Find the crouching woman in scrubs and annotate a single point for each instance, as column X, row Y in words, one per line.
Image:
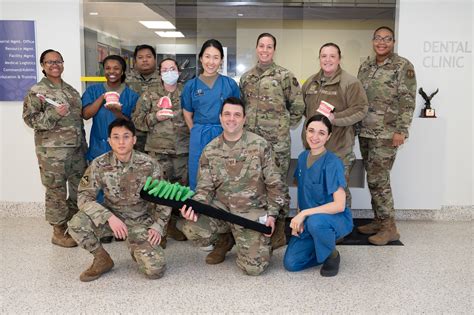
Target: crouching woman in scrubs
column 323, row 217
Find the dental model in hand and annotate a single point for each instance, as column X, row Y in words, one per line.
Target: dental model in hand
column 112, row 98
column 325, row 108
column 165, row 107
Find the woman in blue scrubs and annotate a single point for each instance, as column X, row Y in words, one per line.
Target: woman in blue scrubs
column 93, row 102
column 202, row 99
column 323, row 216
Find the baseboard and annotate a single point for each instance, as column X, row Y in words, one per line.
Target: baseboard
column 446, row 213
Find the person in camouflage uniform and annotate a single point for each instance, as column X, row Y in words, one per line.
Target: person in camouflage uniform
column 274, row 103
column 143, row 74
column 120, row 173
column 346, row 94
column 237, row 173
column 390, row 83
column 60, row 143
column 168, row 137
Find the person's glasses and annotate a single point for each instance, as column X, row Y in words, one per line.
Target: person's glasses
column 169, row 69
column 53, row 62
column 385, row 40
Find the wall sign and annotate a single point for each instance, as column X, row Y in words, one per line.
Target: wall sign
column 17, row 59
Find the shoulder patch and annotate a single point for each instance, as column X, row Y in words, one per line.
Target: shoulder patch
column 410, row 74
column 295, row 82
column 85, row 181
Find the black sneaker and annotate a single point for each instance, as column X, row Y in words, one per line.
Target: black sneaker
column 106, row 239
column 330, row 267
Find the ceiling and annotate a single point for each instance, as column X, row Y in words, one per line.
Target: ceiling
column 213, row 18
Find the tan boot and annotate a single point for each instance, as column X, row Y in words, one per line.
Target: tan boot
column 224, row 243
column 279, row 236
column 173, row 232
column 388, row 233
column 102, row 263
column 61, row 237
column 371, row 228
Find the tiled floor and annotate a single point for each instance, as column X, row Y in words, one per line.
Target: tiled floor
column 432, row 273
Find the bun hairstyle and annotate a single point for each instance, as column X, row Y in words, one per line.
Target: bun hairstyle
column 170, row 59
column 212, row 43
column 122, row 63
column 268, row 35
column 321, row 118
column 43, row 55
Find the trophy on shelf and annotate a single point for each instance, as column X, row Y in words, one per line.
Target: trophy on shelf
column 427, row 111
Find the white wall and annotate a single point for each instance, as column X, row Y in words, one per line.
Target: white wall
column 447, row 177
column 423, row 27
column 58, row 26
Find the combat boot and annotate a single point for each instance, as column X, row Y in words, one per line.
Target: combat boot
column 224, row 244
column 102, row 263
column 371, row 228
column 279, row 238
column 173, row 232
column 387, row 233
column 61, row 237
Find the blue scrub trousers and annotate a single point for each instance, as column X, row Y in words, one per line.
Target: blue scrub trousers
column 318, row 240
column 201, row 135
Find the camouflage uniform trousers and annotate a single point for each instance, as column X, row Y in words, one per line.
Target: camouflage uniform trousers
column 254, row 250
column 348, row 160
column 378, row 156
column 175, row 169
column 150, row 258
column 141, row 141
column 61, row 170
column 282, row 160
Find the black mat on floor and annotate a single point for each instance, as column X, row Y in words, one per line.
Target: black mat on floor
column 355, row 238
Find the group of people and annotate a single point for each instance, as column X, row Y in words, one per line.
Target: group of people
column 230, row 143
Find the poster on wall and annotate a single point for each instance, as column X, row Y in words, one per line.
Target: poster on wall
column 17, row 59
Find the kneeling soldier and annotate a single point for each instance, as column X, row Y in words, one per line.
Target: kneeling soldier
column 120, row 174
column 237, row 173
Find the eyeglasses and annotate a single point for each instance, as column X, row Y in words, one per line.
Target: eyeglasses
column 53, row 62
column 385, row 40
column 169, row 69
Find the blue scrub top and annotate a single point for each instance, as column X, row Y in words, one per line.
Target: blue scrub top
column 206, row 103
column 98, row 143
column 317, row 184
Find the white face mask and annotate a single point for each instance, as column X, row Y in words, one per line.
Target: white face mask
column 170, row 77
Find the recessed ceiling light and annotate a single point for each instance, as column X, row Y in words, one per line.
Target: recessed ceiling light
column 170, row 34
column 163, row 25
column 93, row 13
column 240, row 14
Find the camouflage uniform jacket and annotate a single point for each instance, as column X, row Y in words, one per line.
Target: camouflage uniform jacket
column 121, row 184
column 51, row 129
column 391, row 90
column 241, row 179
column 170, row 136
column 273, row 103
column 346, row 94
column 139, row 83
